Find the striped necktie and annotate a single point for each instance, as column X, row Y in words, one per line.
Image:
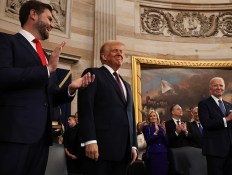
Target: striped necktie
column 221, row 106
column 200, row 127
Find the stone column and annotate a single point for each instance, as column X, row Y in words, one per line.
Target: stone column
column 105, row 25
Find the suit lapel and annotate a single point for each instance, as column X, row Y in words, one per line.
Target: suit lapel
column 113, row 82
column 215, row 106
column 173, row 124
column 28, row 46
column 196, row 128
column 228, row 108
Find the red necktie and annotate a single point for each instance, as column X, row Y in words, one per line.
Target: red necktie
column 40, row 52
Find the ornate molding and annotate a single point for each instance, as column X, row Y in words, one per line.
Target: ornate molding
column 183, row 63
column 185, row 23
column 60, row 13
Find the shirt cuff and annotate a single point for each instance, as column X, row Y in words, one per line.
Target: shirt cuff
column 133, row 147
column 48, row 72
column 71, row 95
column 89, row 142
column 224, row 120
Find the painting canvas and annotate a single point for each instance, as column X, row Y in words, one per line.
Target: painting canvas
column 158, row 84
column 163, row 87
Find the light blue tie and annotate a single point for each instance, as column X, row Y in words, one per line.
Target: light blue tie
column 221, row 105
column 200, row 127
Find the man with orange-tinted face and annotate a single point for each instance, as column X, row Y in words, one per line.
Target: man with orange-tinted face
column 215, row 117
column 106, row 116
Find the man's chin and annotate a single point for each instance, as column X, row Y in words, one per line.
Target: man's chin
column 45, row 37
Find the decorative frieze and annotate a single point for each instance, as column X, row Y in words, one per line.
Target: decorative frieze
column 60, row 13
column 185, row 23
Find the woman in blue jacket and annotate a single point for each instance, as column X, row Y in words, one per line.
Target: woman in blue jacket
column 156, row 138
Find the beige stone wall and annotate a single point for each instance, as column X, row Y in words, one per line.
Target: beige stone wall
column 167, row 47
column 80, row 41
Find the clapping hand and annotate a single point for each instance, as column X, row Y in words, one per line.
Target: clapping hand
column 81, row 82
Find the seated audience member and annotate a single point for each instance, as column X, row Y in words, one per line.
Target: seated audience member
column 195, row 128
column 177, row 131
column 142, row 145
column 72, row 146
column 156, row 138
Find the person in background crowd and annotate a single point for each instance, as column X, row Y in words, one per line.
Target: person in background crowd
column 72, row 146
column 195, row 128
column 139, row 166
column 177, row 131
column 156, row 138
column 189, row 114
column 216, row 118
column 29, row 91
column 57, row 126
column 142, row 145
column 106, row 117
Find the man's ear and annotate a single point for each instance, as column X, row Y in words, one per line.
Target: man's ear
column 33, row 14
column 103, row 57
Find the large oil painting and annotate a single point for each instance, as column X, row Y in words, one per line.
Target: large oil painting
column 158, row 84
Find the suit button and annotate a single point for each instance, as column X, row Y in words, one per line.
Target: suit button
column 45, row 105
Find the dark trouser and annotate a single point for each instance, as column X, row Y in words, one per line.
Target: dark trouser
column 219, row 166
column 23, row 159
column 74, row 166
column 158, row 163
column 102, row 167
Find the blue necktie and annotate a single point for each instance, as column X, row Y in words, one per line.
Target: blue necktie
column 221, row 106
column 200, row 127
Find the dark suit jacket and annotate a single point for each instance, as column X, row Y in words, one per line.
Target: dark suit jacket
column 27, row 94
column 155, row 143
column 216, row 137
column 196, row 135
column 104, row 116
column 175, row 141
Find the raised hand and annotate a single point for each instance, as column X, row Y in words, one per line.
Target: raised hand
column 54, row 58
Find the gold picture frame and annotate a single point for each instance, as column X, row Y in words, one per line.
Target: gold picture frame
column 141, row 63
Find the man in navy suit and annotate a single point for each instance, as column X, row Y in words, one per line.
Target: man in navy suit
column 195, row 128
column 28, row 92
column 177, row 131
column 106, row 117
column 217, row 133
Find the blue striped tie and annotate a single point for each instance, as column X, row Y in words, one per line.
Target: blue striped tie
column 221, row 106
